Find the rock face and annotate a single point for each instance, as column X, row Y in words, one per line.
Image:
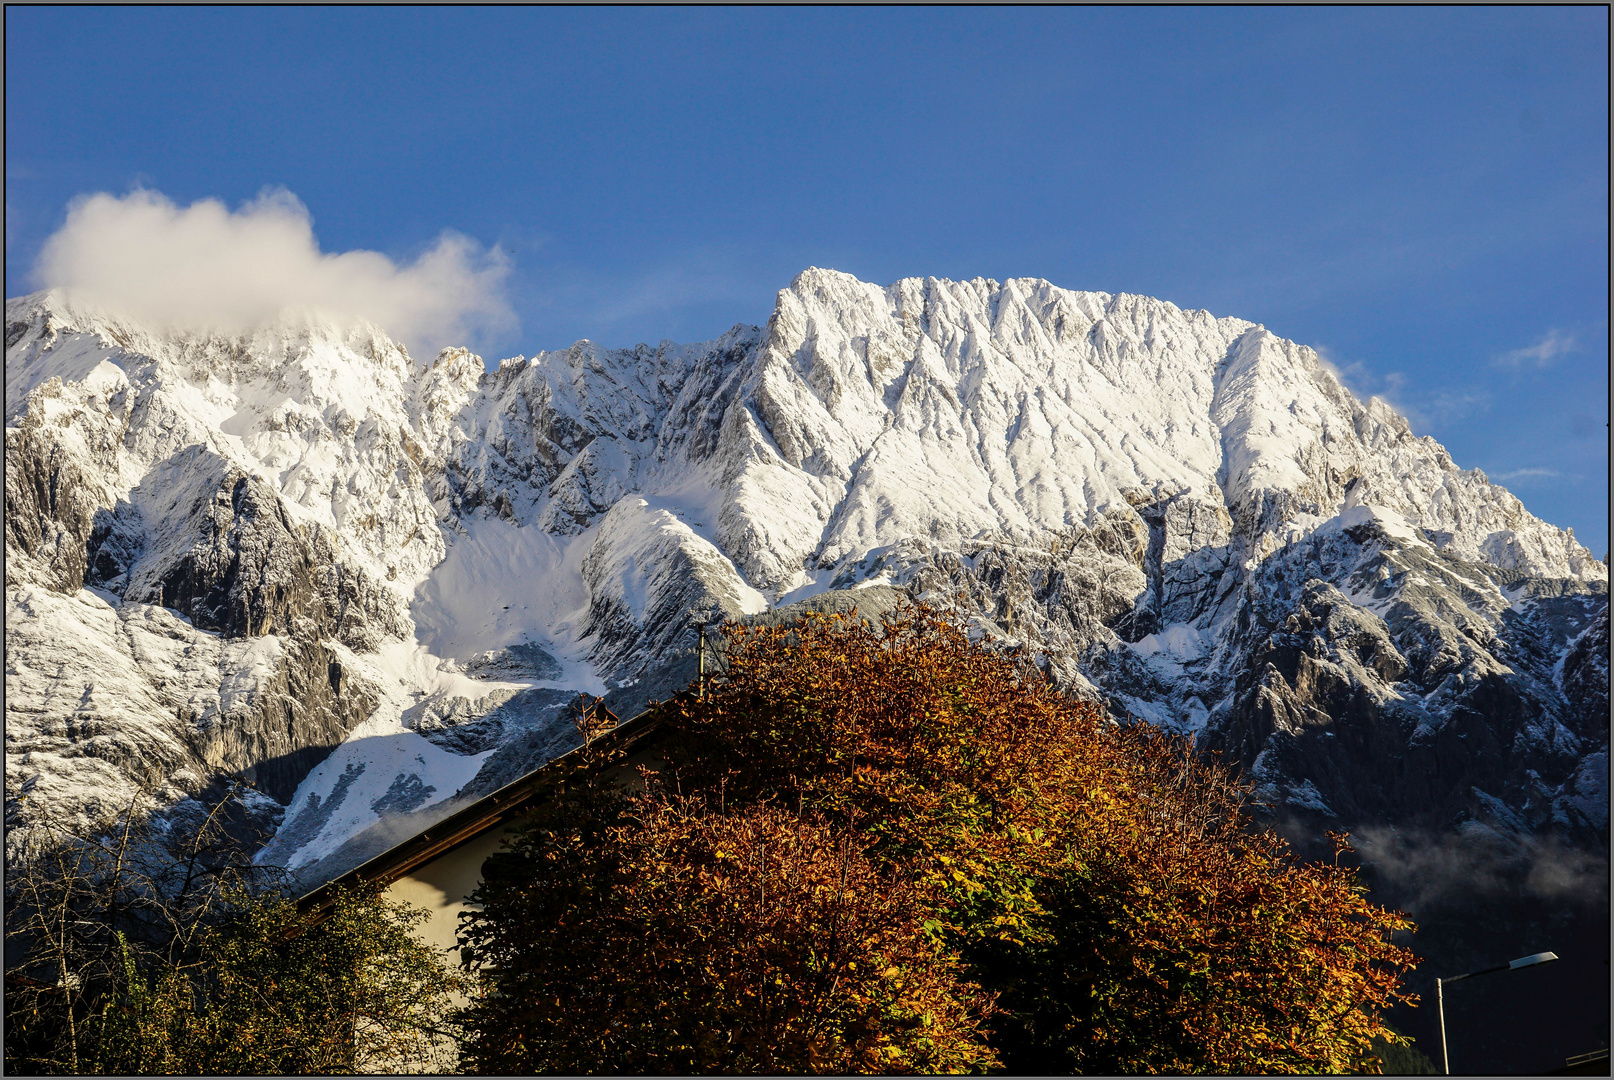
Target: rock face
column 375, row 585
column 186, row 563
column 651, row 578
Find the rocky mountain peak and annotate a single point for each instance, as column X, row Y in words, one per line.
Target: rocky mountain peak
column 296, row 553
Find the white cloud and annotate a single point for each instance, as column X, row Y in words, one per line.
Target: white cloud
column 1448, row 406
column 203, row 265
column 1526, row 475
column 1553, row 344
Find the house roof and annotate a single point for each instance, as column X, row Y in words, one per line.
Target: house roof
column 489, row 811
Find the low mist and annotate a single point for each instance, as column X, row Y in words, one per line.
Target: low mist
column 1424, row 872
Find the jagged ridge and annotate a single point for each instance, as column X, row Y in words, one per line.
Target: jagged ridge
column 1185, row 515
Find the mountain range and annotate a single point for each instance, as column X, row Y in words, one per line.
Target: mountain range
column 371, row 585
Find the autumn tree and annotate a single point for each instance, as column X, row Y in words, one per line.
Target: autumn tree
column 162, row 950
column 275, row 992
column 667, row 934
column 1076, row 894
column 85, row 899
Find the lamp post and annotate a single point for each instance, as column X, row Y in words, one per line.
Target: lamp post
column 1440, row 995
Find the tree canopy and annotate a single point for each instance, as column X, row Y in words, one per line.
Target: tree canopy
column 892, row 849
column 162, row 950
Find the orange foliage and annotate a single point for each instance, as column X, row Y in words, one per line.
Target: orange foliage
column 991, row 839
column 684, row 939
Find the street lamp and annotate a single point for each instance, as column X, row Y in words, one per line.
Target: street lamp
column 1440, row 996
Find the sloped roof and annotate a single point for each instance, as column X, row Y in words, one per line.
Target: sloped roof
column 490, row 811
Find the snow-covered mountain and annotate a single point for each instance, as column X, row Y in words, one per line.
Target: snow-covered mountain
column 373, row 585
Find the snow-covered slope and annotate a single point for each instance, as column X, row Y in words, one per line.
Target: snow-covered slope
column 203, row 535
column 1185, row 515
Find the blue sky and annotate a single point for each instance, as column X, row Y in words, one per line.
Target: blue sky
column 1422, row 195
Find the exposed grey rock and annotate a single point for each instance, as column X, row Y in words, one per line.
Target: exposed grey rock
column 152, row 681
column 680, row 668
column 228, row 554
column 523, row 660
column 1427, row 718
column 300, row 712
column 304, row 822
column 406, row 792
column 1584, row 677
column 652, row 580
column 868, row 603
column 1185, row 517
column 527, row 748
column 51, row 501
column 473, row 726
